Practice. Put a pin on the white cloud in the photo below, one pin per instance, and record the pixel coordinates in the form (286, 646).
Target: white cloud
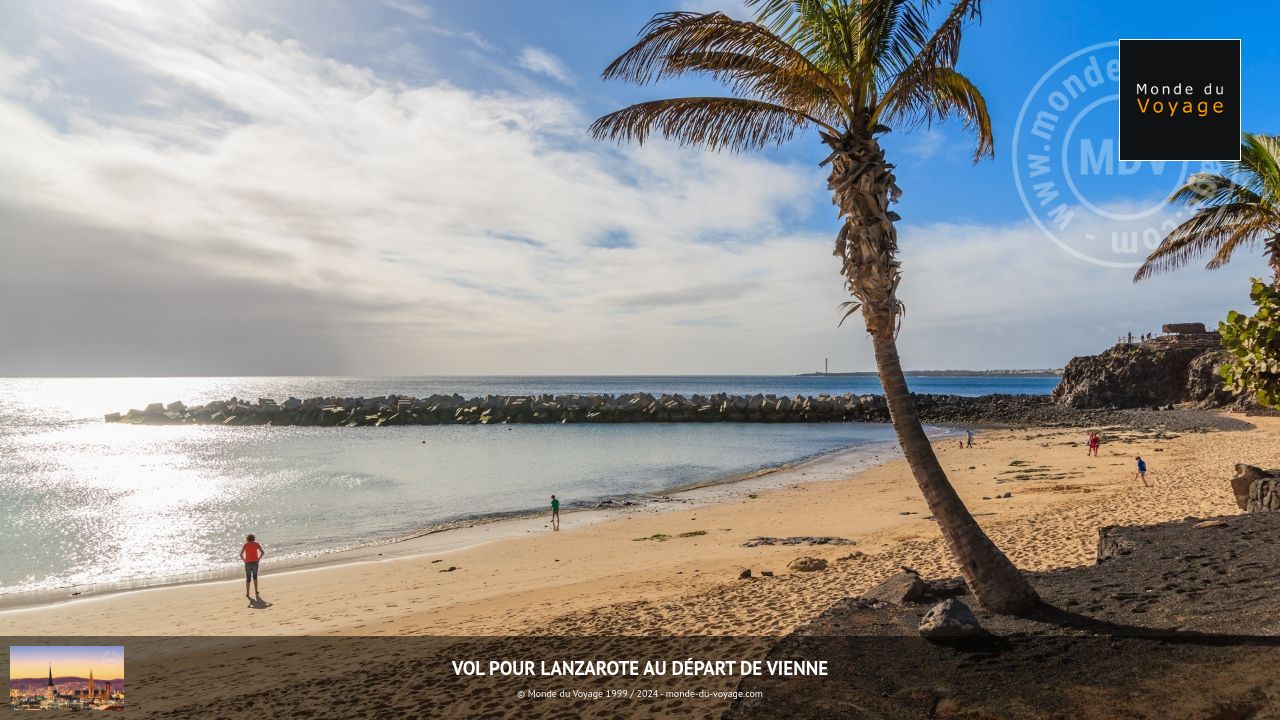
(190, 194)
(478, 215)
(544, 63)
(412, 9)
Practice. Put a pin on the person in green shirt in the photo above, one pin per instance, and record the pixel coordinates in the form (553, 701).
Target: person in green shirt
(555, 513)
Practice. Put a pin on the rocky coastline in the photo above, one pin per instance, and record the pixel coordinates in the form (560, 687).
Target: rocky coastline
(1179, 367)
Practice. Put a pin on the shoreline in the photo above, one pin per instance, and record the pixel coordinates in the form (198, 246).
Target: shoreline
(676, 568)
(469, 533)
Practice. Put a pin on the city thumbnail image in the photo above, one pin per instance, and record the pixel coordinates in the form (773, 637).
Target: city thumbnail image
(66, 677)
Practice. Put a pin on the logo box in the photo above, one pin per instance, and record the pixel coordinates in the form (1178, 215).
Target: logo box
(1180, 100)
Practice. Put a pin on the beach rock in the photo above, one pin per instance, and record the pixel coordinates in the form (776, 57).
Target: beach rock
(1112, 543)
(950, 618)
(898, 589)
(807, 564)
(798, 540)
(1245, 476)
(745, 574)
(766, 573)
(1255, 489)
(1264, 495)
(939, 590)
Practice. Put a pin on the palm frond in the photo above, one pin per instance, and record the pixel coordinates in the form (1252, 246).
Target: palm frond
(941, 50)
(824, 31)
(1243, 236)
(746, 55)
(748, 76)
(900, 44)
(1259, 165)
(943, 47)
(1212, 189)
(939, 93)
(733, 124)
(1207, 231)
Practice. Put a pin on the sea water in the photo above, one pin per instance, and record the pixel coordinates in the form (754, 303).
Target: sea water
(83, 502)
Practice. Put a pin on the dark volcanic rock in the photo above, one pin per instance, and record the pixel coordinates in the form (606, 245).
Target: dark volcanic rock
(953, 410)
(1113, 544)
(1127, 376)
(1204, 384)
(1245, 476)
(1255, 489)
(799, 540)
(904, 587)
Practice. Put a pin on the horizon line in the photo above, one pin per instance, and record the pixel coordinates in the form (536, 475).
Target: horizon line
(810, 373)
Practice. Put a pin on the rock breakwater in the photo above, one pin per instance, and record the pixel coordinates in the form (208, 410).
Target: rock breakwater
(394, 410)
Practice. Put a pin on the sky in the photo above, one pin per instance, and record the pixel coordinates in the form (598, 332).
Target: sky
(402, 187)
(34, 661)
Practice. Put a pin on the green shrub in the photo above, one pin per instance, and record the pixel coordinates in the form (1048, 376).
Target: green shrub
(1253, 341)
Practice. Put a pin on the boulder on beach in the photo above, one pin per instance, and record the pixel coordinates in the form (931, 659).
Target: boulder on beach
(950, 618)
(898, 589)
(1255, 489)
(1113, 544)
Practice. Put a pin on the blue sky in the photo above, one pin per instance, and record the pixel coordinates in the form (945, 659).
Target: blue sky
(405, 187)
(1005, 55)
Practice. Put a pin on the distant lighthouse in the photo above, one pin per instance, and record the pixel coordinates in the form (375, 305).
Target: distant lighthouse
(826, 366)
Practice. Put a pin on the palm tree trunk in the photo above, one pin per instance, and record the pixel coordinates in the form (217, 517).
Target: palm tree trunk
(997, 584)
(863, 185)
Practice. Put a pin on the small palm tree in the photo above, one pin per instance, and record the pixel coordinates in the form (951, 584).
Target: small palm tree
(1239, 207)
(849, 69)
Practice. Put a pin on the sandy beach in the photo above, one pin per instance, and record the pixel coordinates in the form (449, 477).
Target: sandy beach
(673, 568)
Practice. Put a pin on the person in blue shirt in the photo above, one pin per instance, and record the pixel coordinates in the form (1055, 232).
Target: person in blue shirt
(1142, 471)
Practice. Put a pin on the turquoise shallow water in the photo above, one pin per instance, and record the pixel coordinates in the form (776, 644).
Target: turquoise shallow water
(84, 502)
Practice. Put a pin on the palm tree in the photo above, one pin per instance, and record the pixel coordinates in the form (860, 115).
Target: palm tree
(849, 69)
(1239, 207)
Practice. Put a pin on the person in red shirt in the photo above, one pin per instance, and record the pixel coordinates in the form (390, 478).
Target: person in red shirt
(251, 552)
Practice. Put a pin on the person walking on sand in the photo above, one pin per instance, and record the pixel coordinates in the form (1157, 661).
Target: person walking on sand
(555, 513)
(1142, 471)
(1094, 442)
(251, 553)
(969, 433)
